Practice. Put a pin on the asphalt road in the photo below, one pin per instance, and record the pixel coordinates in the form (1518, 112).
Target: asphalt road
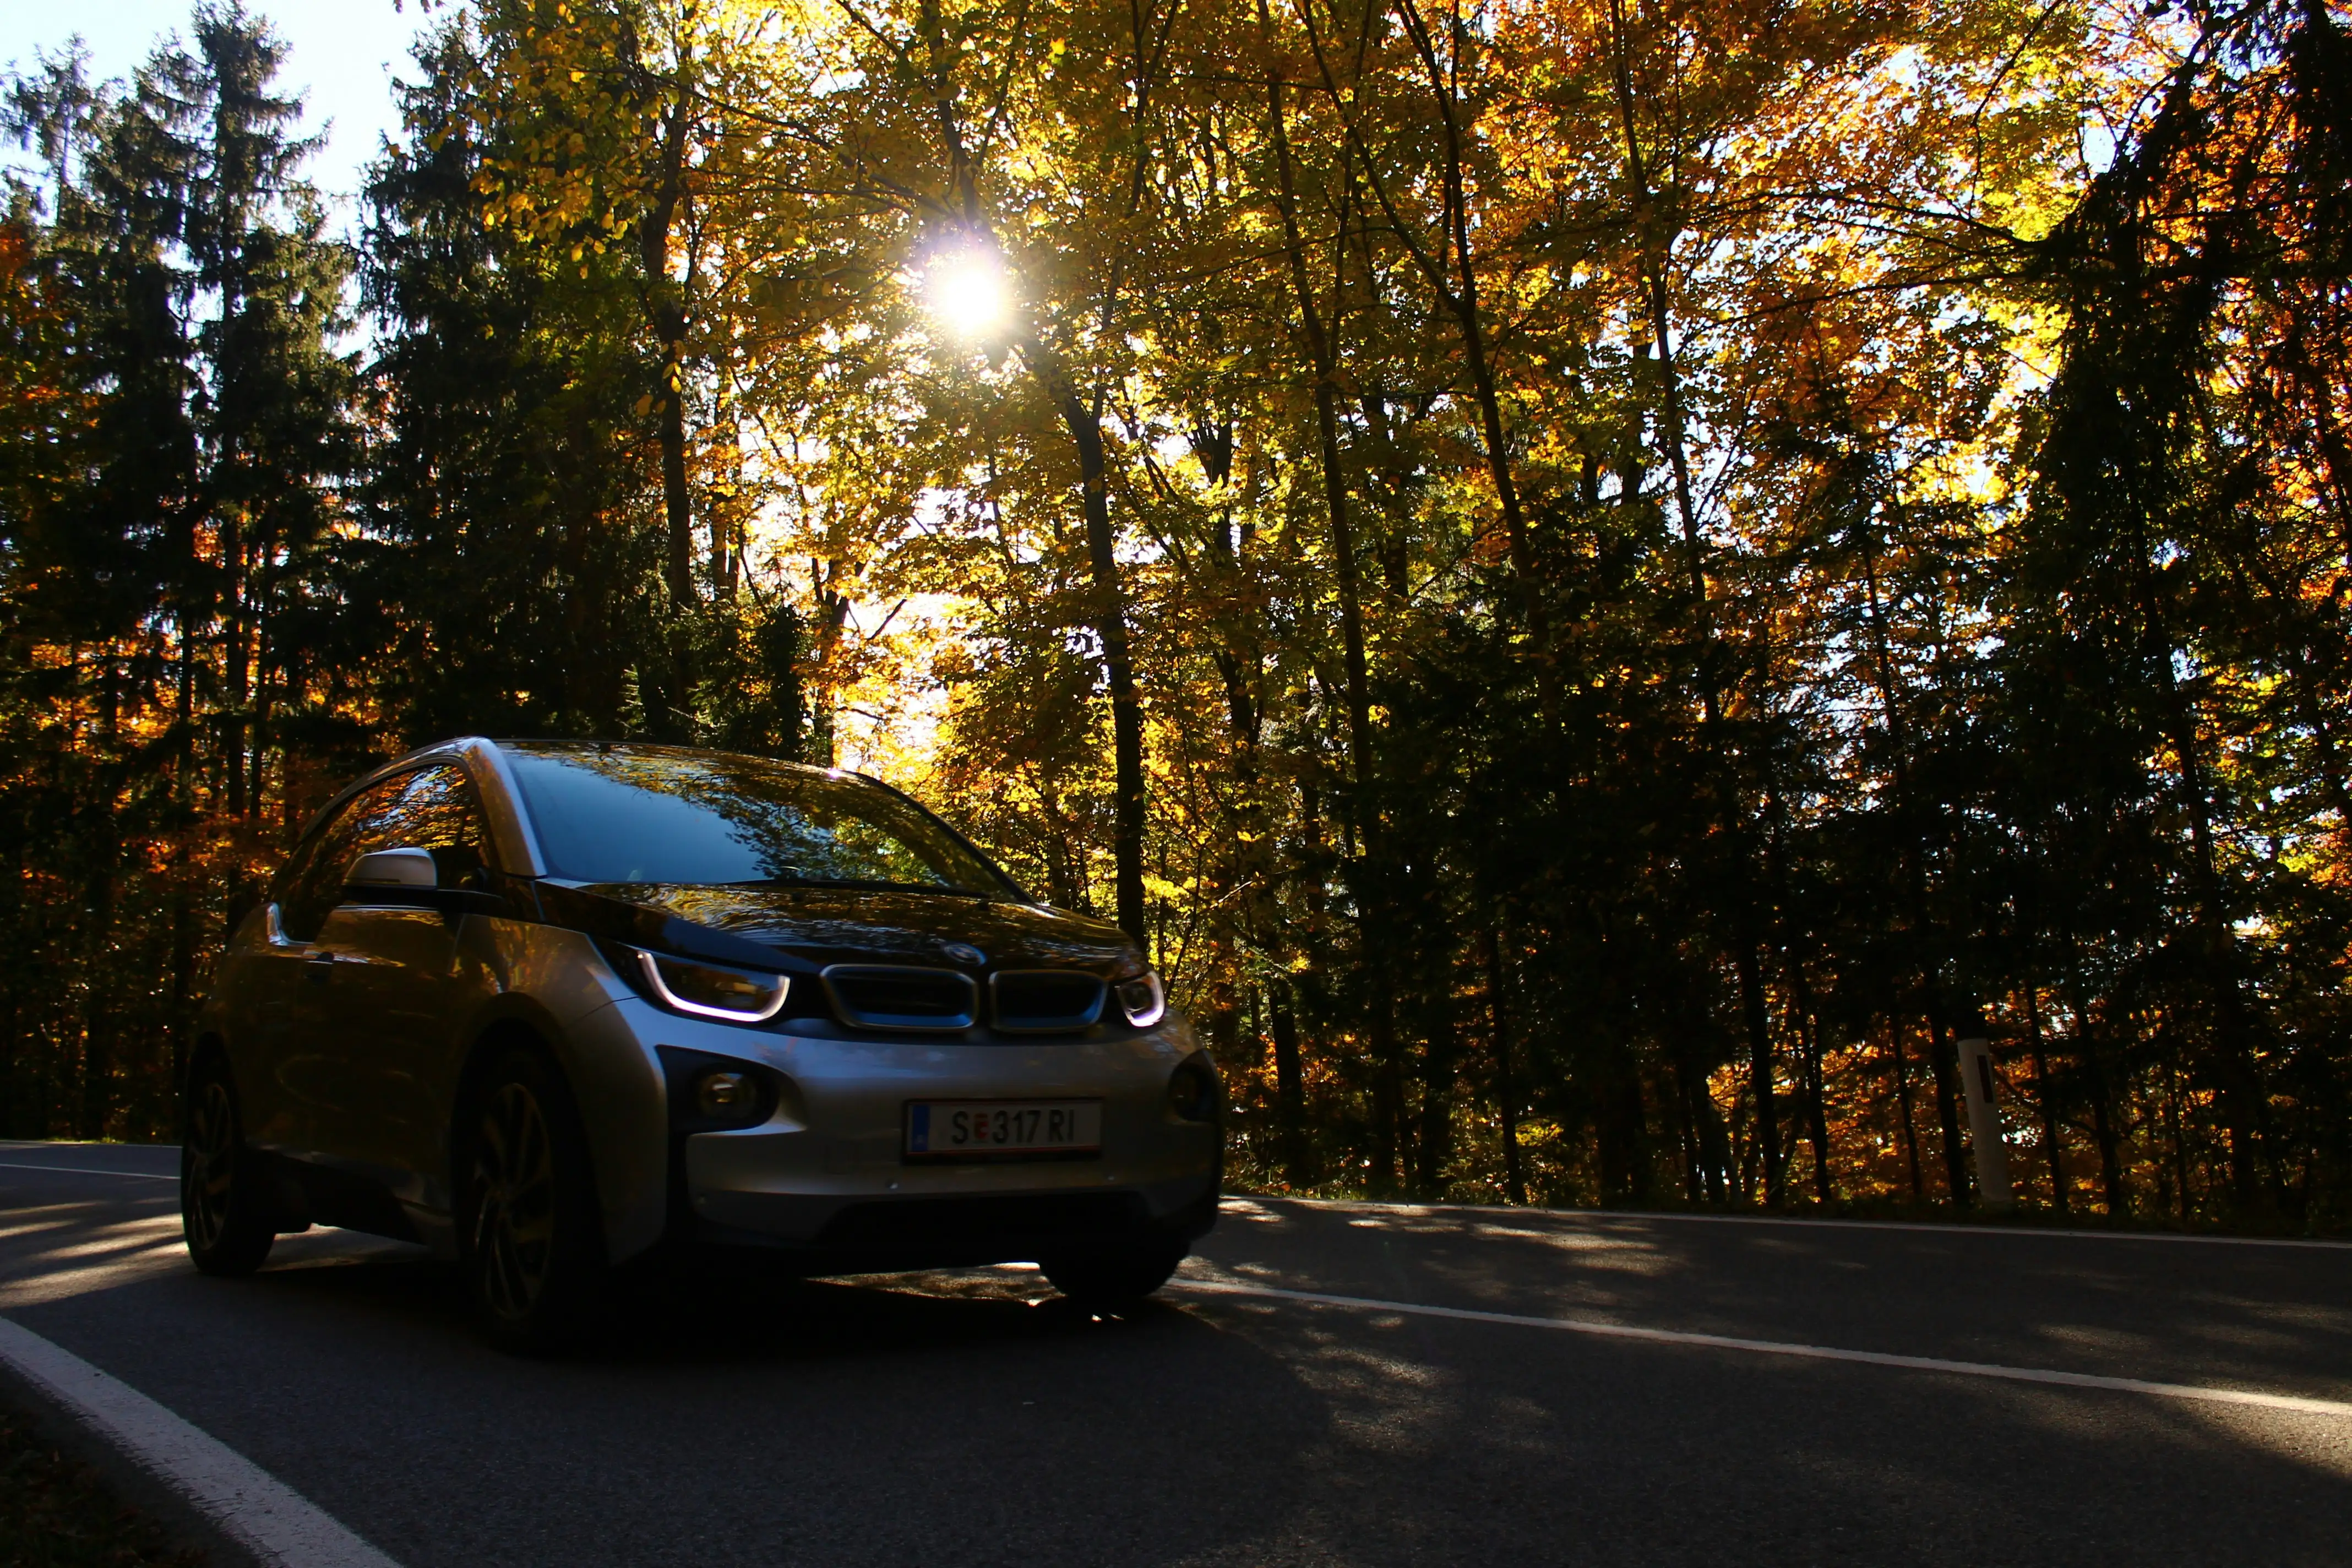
(974, 1418)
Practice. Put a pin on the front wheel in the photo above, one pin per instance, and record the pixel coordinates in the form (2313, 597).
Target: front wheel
(1110, 1281)
(533, 1249)
(223, 1214)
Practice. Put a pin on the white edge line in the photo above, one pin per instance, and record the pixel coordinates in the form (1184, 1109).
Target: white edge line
(86, 1170)
(253, 1508)
(1775, 1347)
(1504, 1211)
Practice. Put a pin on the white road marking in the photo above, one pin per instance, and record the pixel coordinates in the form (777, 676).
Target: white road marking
(86, 1170)
(1775, 1347)
(1490, 1211)
(252, 1507)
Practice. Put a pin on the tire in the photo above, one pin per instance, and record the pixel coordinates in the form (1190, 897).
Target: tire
(1112, 1280)
(225, 1211)
(528, 1233)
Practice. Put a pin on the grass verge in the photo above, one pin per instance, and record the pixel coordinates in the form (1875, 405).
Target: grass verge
(56, 1513)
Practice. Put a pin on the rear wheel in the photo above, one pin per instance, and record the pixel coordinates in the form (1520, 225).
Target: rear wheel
(224, 1213)
(1115, 1278)
(533, 1252)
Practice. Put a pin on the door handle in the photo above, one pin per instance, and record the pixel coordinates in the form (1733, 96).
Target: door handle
(320, 967)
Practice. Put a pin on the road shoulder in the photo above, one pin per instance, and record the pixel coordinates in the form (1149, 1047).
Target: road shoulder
(202, 1493)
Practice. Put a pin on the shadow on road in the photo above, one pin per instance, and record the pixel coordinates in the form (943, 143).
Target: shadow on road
(973, 1416)
(730, 1313)
(970, 1417)
(2263, 1318)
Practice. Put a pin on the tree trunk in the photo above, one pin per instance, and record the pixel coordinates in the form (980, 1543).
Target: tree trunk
(1290, 1088)
(1817, 1121)
(1506, 1098)
(1376, 935)
(98, 1021)
(1944, 1060)
(1085, 425)
(669, 715)
(726, 509)
(1451, 274)
(2046, 1094)
(236, 664)
(1434, 1145)
(1899, 1059)
(2113, 1188)
(1461, 298)
(1654, 250)
(2244, 1107)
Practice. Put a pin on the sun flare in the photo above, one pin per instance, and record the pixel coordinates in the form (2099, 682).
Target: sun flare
(968, 293)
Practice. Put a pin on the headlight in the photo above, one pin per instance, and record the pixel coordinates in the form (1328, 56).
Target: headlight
(1142, 1000)
(707, 990)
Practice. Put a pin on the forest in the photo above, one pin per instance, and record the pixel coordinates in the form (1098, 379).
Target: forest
(1600, 582)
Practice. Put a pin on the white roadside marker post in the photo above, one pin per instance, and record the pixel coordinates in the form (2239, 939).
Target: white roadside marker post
(1977, 1078)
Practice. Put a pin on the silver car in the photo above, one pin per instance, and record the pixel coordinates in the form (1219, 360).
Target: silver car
(554, 1007)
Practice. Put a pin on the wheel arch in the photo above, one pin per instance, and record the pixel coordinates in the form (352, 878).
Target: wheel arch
(514, 1030)
(209, 1046)
(612, 1097)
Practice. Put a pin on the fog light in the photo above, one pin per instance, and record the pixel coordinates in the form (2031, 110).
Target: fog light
(1192, 1091)
(724, 1096)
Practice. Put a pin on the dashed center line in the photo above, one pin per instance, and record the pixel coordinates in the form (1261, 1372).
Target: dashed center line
(1775, 1347)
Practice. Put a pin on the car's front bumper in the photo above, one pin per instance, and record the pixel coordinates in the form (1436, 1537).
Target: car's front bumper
(826, 1175)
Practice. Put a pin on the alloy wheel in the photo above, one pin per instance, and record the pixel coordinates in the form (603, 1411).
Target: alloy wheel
(513, 1239)
(211, 1162)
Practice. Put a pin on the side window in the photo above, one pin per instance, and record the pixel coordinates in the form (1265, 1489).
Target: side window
(313, 882)
(432, 809)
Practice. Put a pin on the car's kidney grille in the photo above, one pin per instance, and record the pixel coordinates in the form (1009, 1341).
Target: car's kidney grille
(1046, 1001)
(879, 997)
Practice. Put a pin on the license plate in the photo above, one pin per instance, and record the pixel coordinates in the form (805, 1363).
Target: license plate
(1002, 1128)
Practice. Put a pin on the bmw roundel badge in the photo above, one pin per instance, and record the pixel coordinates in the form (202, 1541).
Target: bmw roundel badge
(964, 952)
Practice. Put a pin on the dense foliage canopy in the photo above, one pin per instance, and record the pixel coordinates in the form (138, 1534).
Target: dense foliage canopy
(1602, 580)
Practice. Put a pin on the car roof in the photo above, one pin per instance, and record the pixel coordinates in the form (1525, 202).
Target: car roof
(559, 745)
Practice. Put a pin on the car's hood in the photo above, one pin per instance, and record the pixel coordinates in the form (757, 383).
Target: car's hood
(839, 925)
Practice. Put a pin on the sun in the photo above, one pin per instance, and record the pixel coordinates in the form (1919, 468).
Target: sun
(968, 291)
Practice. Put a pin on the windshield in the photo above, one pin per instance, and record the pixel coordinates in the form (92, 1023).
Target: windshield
(643, 813)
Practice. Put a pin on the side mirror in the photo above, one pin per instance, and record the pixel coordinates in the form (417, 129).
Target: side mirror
(395, 869)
